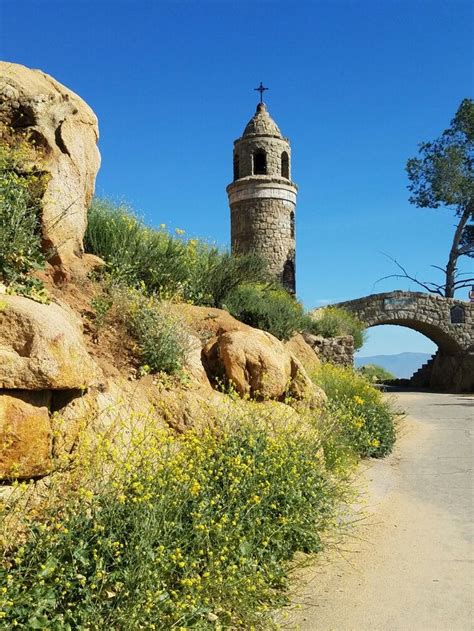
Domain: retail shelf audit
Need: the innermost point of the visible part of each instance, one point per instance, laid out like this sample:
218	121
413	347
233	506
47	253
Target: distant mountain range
402	365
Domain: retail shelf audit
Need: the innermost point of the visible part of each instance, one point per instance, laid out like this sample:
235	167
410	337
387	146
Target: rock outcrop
303	352
258	365
255	362
63	132
41	347
25	434
208	322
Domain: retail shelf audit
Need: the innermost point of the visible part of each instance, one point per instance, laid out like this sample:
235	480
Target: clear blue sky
355	85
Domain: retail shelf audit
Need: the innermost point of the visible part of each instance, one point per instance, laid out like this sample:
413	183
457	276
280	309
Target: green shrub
162	340
266	307
218	274
374	373
365	420
332	321
187	532
167	265
20	230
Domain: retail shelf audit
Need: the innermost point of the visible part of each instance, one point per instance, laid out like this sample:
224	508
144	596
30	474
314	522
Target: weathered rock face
193	362
257	364
64	131
208	322
25	434
303	352
302	388
41	348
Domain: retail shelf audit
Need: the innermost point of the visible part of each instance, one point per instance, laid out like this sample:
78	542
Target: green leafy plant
133	252
101	306
266	307
333	321
221	273
162	341
20	230
364	419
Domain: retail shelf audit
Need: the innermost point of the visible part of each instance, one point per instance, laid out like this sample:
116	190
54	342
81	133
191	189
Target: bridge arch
426	313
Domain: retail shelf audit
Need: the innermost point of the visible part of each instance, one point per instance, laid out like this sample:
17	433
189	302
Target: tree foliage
442	175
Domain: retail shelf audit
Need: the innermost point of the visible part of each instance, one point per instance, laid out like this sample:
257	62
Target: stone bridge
448	322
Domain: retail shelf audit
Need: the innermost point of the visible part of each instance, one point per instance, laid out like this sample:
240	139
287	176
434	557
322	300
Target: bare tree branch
433	288
467	282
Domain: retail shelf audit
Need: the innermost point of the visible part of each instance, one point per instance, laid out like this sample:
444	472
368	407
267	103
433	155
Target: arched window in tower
259	163
292	224
236	166
457	315
288	277
285	165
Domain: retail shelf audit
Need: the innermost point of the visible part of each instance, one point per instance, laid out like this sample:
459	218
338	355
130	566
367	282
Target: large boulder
25	434
254	361
305	354
193	362
41	347
208	322
63	132
257	364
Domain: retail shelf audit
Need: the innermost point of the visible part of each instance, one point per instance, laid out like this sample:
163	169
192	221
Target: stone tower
262	197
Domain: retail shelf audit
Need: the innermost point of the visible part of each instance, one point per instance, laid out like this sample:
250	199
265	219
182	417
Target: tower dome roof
261	124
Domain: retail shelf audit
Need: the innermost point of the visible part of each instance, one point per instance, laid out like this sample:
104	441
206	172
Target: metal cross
261	89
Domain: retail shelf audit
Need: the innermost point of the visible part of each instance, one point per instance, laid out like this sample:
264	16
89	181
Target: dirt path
411	568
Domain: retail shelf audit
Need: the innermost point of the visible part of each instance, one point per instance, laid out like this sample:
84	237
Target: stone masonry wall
264	226
335	350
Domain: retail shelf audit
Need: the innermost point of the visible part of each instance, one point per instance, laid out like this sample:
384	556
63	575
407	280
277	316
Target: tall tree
442	175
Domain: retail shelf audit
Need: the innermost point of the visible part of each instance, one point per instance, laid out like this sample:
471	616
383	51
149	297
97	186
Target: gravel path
411	566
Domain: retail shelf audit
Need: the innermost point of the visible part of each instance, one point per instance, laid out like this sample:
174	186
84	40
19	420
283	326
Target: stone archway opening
399	350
